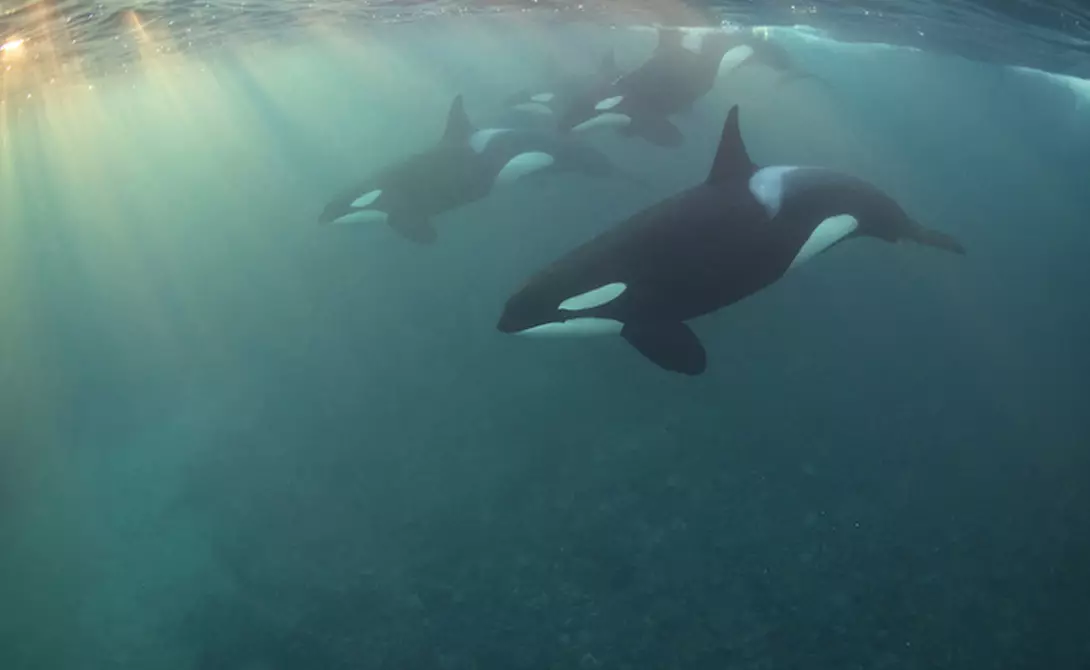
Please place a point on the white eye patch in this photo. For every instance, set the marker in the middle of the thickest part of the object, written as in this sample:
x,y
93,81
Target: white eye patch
x,y
594,297
609,103
367,198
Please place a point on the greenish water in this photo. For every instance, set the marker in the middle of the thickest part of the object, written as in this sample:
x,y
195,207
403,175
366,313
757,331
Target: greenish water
x,y
232,438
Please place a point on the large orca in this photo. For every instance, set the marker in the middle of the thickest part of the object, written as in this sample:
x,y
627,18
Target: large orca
x,y
464,166
640,103
705,248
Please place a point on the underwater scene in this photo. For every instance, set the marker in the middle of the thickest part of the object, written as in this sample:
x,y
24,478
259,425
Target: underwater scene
x,y
544,335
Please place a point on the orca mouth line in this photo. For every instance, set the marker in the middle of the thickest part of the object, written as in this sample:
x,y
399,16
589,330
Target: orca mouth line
x,y
333,211
510,323
331,219
508,326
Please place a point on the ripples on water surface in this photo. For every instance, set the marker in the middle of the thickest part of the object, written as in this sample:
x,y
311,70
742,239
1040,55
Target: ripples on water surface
x,y
97,37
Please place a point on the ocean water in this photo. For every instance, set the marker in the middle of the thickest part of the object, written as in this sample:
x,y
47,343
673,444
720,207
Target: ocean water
x,y
233,438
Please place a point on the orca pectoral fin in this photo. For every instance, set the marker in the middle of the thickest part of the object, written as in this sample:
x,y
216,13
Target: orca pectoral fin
x,y
658,131
415,229
930,237
672,346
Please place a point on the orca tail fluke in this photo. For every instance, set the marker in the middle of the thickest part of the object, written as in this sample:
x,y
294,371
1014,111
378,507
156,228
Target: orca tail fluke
x,y
930,237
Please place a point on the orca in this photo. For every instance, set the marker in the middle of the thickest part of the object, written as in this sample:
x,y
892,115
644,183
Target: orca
x,y
740,230
640,103
464,166
747,50
406,195
553,99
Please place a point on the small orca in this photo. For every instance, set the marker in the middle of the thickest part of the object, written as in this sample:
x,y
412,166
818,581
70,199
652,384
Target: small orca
x,y
464,166
702,249
639,104
552,99
408,193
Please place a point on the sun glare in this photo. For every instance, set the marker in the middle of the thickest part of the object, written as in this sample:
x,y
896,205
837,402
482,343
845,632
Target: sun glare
x,y
11,45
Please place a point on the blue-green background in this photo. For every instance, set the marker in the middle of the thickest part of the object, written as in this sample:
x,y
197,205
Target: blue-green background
x,y
234,439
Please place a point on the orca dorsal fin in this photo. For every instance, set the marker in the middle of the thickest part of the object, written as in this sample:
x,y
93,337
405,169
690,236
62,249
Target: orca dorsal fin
x,y
731,159
608,66
458,126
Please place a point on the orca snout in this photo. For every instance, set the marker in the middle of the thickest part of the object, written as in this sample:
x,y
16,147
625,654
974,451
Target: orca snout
x,y
522,312
507,324
329,214
334,209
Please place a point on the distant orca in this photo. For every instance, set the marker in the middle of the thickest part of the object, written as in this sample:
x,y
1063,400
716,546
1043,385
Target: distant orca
x,y
755,49
509,154
462,167
702,249
553,99
640,103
